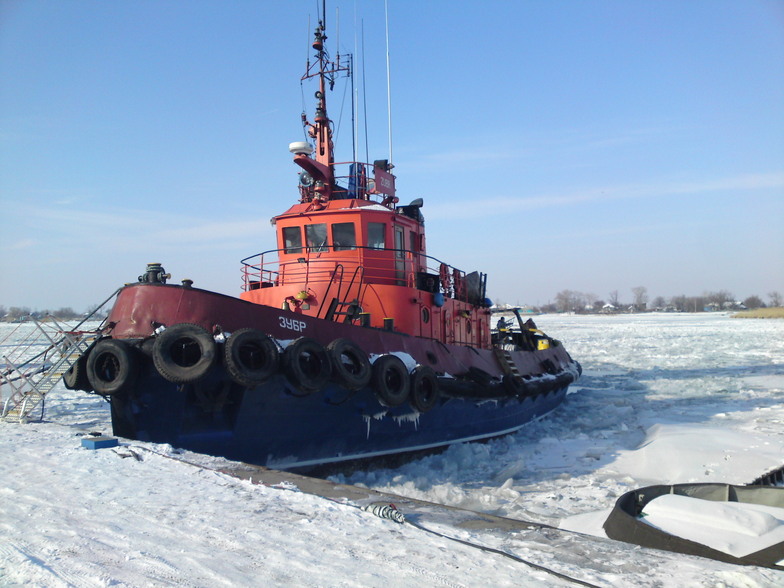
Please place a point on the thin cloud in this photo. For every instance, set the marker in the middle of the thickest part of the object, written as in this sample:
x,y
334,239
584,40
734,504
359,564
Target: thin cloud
x,y
23,244
509,204
123,228
502,149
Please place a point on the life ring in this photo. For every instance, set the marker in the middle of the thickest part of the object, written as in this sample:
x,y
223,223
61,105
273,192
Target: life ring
x,y
306,364
350,365
183,353
250,357
424,388
111,366
76,376
390,380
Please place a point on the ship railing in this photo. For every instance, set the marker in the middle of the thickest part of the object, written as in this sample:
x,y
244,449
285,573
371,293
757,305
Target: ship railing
x,y
355,179
36,355
39,353
403,267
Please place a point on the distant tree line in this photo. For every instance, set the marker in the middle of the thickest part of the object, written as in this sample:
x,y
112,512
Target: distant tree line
x,y
66,313
583,302
565,301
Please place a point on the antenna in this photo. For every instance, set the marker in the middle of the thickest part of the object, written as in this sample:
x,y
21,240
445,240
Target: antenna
x,y
307,45
364,92
389,91
355,91
353,111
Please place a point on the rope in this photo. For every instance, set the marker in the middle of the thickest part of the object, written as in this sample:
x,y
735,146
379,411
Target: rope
x,y
509,555
390,511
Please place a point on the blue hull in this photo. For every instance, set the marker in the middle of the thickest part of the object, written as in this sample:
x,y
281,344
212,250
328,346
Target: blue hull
x,y
276,426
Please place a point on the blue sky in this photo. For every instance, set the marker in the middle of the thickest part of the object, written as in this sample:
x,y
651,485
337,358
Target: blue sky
x,y
584,145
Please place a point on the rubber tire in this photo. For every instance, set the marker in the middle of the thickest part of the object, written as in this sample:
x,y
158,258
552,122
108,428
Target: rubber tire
x,y
76,376
307,365
112,366
183,353
350,365
250,357
424,388
515,386
390,380
479,376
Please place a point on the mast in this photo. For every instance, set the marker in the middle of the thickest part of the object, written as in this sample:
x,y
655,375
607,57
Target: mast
x,y
320,165
389,86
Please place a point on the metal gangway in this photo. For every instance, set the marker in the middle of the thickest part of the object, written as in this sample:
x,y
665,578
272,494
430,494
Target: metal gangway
x,y
35,356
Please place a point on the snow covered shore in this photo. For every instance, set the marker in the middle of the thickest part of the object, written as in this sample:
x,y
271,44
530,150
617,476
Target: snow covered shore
x,y
663,399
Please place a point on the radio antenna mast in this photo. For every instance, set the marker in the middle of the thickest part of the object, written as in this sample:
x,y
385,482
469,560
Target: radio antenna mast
x,y
389,91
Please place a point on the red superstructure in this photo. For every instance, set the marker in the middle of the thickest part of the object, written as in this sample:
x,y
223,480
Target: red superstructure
x,y
349,251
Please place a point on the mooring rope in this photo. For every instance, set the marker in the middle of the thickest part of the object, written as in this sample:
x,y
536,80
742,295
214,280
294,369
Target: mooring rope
x,y
390,511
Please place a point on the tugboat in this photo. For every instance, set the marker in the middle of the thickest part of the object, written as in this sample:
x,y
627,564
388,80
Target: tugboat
x,y
347,342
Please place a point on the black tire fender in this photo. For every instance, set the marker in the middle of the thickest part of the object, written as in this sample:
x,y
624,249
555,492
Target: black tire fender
x,y
390,380
350,365
184,353
424,388
112,366
251,357
76,376
479,376
515,386
307,365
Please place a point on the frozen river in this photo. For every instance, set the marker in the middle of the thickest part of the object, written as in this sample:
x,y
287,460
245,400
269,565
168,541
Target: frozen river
x,y
664,398
669,372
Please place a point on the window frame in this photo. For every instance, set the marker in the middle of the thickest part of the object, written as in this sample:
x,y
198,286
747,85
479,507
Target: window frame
x,y
340,241
292,248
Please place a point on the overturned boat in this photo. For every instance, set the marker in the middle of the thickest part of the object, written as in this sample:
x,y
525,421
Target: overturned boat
x,y
348,341
735,524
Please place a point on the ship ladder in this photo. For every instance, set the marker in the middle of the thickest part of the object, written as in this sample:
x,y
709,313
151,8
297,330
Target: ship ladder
x,y
41,352
348,308
36,363
508,365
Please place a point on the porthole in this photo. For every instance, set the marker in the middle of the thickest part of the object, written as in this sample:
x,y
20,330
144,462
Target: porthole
x,y
425,315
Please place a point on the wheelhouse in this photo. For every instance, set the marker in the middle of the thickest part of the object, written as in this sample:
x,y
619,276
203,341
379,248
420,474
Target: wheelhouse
x,y
365,261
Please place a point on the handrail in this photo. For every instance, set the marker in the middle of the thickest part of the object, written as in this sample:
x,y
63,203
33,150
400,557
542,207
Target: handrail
x,y
66,334
364,186
320,264
331,248
338,272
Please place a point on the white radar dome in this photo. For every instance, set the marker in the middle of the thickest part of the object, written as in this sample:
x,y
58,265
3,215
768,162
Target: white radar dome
x,y
300,148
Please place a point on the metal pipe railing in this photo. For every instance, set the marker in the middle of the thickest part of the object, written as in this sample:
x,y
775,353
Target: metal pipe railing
x,y
393,265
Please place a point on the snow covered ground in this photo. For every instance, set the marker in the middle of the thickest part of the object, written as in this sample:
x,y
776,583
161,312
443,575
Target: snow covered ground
x,y
663,398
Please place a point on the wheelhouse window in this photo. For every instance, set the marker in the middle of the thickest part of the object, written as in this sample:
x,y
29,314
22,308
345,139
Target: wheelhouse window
x,y
316,236
377,235
344,237
292,240
413,238
400,248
